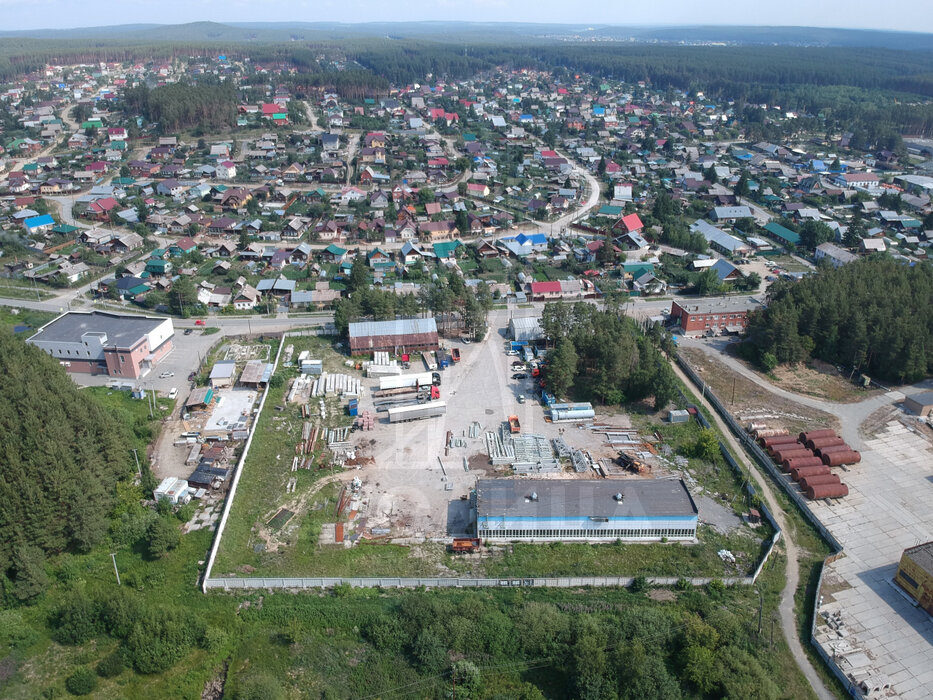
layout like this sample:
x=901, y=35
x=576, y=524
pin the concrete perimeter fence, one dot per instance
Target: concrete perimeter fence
x=275, y=583
x=301, y=583
x=764, y=461
x=238, y=471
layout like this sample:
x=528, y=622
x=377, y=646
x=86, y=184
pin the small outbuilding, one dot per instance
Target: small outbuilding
x=222, y=374
x=921, y=404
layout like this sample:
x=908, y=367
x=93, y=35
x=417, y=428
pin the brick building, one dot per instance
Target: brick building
x=98, y=342
x=404, y=335
x=712, y=316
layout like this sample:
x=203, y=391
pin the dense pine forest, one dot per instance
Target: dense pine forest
x=62, y=456
x=601, y=354
x=873, y=315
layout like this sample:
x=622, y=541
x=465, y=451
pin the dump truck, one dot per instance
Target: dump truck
x=455, y=354
x=430, y=360
x=465, y=545
x=514, y=425
x=433, y=409
x=410, y=380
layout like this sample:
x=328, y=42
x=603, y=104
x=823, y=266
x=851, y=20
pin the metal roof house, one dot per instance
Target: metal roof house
x=572, y=509
x=719, y=239
x=403, y=335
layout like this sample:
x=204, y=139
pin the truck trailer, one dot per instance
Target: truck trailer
x=430, y=360
x=401, y=414
x=410, y=380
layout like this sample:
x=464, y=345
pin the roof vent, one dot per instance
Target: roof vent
x=618, y=497
x=534, y=496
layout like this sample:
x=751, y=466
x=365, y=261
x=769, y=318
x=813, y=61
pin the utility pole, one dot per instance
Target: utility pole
x=733, y=390
x=760, y=607
x=138, y=469
x=113, y=556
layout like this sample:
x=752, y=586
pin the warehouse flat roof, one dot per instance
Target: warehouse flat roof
x=122, y=331
x=720, y=305
x=564, y=498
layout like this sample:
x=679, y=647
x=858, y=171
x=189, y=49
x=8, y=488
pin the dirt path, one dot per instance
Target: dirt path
x=786, y=606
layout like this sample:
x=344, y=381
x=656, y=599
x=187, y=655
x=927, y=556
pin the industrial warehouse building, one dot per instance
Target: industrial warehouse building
x=405, y=335
x=915, y=574
x=526, y=329
x=573, y=509
x=724, y=315
x=99, y=342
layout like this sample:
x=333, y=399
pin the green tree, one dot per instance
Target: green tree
x=182, y=297
x=706, y=445
x=562, y=368
x=30, y=579
x=601, y=166
x=814, y=233
x=163, y=537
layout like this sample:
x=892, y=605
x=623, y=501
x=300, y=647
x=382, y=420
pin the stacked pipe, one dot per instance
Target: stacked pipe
x=788, y=465
x=819, y=480
x=803, y=472
x=818, y=491
x=836, y=459
x=769, y=441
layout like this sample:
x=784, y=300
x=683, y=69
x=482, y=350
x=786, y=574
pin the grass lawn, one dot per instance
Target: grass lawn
x=32, y=320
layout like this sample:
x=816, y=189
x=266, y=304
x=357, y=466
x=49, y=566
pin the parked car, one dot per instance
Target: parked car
x=166, y=375
x=511, y=353
x=521, y=398
x=520, y=375
x=518, y=363
x=465, y=340
x=173, y=393
x=189, y=331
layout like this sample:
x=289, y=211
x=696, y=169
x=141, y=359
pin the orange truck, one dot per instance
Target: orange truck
x=514, y=425
x=455, y=354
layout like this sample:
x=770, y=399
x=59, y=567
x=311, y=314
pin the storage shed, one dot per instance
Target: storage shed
x=526, y=329
x=222, y=374
x=921, y=404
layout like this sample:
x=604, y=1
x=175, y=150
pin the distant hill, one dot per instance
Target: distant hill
x=489, y=32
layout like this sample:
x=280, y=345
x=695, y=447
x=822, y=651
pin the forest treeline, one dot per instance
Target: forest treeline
x=184, y=105
x=61, y=456
x=604, y=355
x=873, y=315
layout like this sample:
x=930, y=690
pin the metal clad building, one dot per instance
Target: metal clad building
x=404, y=335
x=526, y=329
x=572, y=509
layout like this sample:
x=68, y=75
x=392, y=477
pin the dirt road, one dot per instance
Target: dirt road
x=786, y=606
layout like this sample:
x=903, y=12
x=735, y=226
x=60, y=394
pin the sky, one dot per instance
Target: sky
x=905, y=15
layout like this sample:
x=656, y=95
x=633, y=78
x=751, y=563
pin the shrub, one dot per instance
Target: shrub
x=259, y=688
x=158, y=641
x=82, y=682
x=163, y=536
x=111, y=665
x=77, y=620
x=639, y=585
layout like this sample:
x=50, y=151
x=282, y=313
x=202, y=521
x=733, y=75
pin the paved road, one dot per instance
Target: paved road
x=786, y=605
